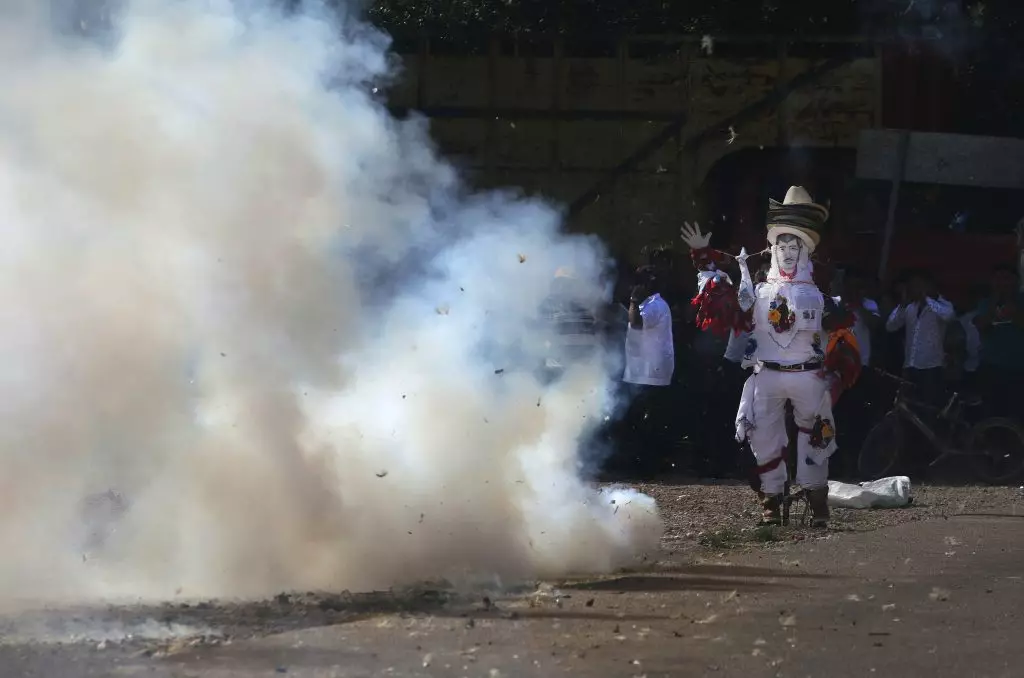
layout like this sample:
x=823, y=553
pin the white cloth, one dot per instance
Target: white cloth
x=761, y=419
x=650, y=355
x=747, y=291
x=804, y=341
x=862, y=331
x=737, y=346
x=804, y=269
x=704, y=277
x=891, y=492
x=972, y=341
x=925, y=331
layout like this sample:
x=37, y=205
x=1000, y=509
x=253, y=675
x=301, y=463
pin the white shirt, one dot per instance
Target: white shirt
x=804, y=341
x=925, y=331
x=972, y=341
x=650, y=355
x=861, y=330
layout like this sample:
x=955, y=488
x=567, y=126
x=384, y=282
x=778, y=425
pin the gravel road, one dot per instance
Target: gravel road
x=708, y=515
x=712, y=560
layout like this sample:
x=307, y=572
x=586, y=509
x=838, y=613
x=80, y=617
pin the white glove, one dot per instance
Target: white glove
x=742, y=257
x=693, y=237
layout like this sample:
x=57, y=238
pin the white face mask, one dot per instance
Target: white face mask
x=787, y=252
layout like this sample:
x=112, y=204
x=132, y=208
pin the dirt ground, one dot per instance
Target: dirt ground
x=709, y=515
x=935, y=588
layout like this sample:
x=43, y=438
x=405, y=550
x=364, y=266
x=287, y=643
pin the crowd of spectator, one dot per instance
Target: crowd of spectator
x=683, y=385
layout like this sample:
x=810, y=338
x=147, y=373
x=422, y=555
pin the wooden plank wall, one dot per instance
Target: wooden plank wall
x=551, y=117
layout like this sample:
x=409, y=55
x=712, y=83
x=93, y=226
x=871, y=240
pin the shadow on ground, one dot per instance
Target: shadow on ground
x=694, y=578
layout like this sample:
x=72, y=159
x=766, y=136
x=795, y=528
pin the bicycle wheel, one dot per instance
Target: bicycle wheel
x=997, y=450
x=881, y=448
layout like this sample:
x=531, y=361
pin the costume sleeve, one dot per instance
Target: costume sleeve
x=716, y=302
x=941, y=308
x=896, y=318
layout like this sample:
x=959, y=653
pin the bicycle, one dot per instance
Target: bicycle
x=951, y=434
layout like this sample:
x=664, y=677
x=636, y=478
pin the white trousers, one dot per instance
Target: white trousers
x=761, y=419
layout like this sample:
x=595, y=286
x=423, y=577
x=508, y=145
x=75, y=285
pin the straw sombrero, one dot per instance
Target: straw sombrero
x=796, y=215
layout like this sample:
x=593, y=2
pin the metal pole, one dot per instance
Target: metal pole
x=894, y=195
x=1020, y=254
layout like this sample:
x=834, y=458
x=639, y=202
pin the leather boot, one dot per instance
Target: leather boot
x=772, y=514
x=818, y=499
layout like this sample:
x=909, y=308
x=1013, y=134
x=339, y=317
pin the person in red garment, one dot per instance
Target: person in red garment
x=801, y=349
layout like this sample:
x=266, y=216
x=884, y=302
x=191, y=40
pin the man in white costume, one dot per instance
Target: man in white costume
x=801, y=350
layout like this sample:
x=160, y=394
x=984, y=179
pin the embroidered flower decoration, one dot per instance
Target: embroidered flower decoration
x=822, y=433
x=780, y=316
x=816, y=345
x=751, y=349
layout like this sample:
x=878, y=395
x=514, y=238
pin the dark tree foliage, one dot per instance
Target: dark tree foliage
x=992, y=71
x=579, y=18
x=983, y=39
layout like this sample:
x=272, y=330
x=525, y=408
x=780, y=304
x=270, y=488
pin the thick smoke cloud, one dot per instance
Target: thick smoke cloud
x=238, y=294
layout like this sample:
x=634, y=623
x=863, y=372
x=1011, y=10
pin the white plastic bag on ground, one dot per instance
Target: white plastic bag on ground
x=893, y=492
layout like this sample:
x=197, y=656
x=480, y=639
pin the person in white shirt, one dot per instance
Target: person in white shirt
x=650, y=355
x=923, y=314
x=650, y=364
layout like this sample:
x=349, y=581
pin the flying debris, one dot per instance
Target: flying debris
x=260, y=459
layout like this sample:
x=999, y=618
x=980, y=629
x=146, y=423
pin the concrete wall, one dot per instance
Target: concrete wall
x=554, y=124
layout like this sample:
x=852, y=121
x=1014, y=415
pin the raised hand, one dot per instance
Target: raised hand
x=692, y=236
